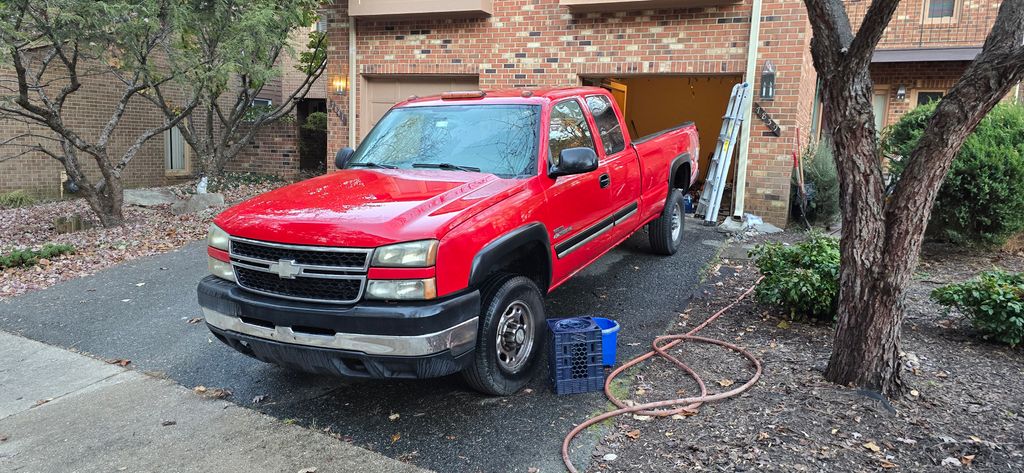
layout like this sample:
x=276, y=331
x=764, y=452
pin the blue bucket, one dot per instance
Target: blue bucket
x=609, y=338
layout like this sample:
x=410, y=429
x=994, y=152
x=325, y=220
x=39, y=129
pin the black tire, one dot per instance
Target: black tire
x=660, y=231
x=488, y=373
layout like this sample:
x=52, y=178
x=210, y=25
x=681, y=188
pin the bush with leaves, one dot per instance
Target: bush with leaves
x=27, y=257
x=802, y=279
x=994, y=302
x=981, y=201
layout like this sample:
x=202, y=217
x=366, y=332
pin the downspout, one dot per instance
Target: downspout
x=751, y=74
x=352, y=82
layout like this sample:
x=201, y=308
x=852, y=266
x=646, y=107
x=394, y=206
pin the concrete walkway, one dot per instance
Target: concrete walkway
x=64, y=412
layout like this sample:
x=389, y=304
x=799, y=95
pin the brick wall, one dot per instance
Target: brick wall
x=915, y=76
x=909, y=27
x=529, y=43
x=274, y=150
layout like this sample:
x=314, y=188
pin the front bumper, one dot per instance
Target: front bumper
x=378, y=340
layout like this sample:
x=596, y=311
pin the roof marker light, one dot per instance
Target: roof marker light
x=468, y=94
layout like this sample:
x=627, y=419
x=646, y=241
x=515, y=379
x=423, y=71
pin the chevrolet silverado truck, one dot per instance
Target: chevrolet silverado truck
x=430, y=249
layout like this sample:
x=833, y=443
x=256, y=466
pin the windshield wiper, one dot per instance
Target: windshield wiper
x=370, y=164
x=446, y=166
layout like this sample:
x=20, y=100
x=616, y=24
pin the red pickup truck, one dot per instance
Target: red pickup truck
x=430, y=250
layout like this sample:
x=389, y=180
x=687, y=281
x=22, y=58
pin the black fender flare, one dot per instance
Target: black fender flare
x=495, y=252
x=677, y=162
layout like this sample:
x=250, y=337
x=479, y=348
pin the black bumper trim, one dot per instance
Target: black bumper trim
x=406, y=319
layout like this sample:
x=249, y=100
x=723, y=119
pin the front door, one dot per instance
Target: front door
x=576, y=203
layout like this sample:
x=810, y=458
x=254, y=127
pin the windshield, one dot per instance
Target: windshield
x=495, y=139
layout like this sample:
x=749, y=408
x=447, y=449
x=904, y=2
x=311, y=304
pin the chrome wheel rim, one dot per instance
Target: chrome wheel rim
x=515, y=336
x=677, y=222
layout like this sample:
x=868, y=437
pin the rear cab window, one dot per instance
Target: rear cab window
x=608, y=125
x=568, y=129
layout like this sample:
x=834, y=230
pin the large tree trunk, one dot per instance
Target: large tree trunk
x=881, y=238
x=108, y=202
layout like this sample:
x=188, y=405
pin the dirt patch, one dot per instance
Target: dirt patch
x=147, y=231
x=968, y=411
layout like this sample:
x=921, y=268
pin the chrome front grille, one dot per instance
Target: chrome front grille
x=306, y=273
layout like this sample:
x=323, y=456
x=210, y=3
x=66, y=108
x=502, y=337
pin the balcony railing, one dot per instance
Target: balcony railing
x=419, y=8
x=629, y=5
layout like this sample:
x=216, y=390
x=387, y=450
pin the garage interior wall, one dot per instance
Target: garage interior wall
x=654, y=103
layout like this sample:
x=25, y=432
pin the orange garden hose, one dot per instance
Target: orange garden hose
x=660, y=347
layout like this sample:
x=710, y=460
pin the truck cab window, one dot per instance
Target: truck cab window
x=607, y=124
x=569, y=129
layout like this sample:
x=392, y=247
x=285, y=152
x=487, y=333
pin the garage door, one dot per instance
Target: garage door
x=384, y=92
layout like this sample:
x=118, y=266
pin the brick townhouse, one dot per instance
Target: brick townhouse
x=164, y=159
x=666, y=61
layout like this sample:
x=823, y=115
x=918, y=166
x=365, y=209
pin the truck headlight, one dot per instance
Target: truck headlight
x=217, y=238
x=401, y=289
x=221, y=269
x=414, y=254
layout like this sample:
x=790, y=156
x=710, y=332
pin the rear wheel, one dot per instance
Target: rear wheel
x=510, y=340
x=666, y=233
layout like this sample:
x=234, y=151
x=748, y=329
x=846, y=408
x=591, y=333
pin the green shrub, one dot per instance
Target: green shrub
x=822, y=184
x=15, y=199
x=802, y=278
x=27, y=257
x=316, y=121
x=994, y=302
x=981, y=201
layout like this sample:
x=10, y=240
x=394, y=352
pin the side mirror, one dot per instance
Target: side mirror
x=574, y=161
x=341, y=159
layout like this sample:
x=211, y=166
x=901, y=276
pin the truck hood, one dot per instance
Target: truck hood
x=367, y=208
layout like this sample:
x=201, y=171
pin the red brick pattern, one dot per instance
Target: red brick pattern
x=909, y=27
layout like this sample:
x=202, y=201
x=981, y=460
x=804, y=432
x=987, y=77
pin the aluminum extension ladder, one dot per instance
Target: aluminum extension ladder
x=718, y=170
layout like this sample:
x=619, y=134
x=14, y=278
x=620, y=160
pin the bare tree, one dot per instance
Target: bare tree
x=224, y=52
x=56, y=46
x=881, y=238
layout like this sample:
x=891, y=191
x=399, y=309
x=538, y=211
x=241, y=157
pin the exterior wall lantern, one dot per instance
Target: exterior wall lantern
x=901, y=92
x=340, y=87
x=768, y=81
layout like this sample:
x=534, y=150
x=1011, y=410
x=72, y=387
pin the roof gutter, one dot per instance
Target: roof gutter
x=741, y=162
x=352, y=82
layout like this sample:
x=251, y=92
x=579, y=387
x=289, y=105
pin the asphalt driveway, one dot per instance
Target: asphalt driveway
x=140, y=311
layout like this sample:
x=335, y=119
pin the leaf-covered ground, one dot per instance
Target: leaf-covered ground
x=965, y=409
x=147, y=231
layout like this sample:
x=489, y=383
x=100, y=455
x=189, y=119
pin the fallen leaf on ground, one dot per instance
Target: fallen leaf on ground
x=199, y=389
x=122, y=362
x=140, y=284
x=311, y=469
x=726, y=383
x=3, y=438
x=610, y=457
x=887, y=464
x=950, y=461
x=684, y=414
x=762, y=436
x=259, y=399
x=396, y=437
x=194, y=320
x=633, y=434
x=967, y=459
x=167, y=423
x=873, y=447
x=783, y=325
x=533, y=469
x=43, y=401
x=641, y=417
x=393, y=417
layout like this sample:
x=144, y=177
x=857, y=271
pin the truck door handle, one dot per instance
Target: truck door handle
x=604, y=180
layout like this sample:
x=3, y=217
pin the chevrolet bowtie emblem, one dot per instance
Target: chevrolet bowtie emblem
x=285, y=268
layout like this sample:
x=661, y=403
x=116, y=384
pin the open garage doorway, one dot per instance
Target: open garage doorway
x=655, y=102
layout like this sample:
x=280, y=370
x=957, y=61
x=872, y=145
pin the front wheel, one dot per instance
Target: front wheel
x=511, y=338
x=666, y=233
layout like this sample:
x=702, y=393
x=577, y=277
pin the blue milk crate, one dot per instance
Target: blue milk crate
x=575, y=362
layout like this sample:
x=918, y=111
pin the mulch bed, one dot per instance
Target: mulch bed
x=966, y=409
x=147, y=231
